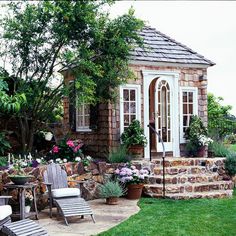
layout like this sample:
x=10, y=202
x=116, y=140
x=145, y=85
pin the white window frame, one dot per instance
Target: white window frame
x=136, y=87
x=195, y=107
x=81, y=128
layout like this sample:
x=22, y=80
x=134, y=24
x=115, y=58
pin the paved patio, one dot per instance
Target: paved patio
x=106, y=216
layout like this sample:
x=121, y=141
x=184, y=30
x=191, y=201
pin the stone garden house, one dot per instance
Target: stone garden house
x=171, y=86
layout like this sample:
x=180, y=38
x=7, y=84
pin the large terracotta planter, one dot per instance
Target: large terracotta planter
x=136, y=151
x=134, y=191
x=112, y=200
x=201, y=152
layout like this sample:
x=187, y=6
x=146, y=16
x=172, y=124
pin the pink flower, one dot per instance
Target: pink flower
x=77, y=148
x=70, y=143
x=55, y=149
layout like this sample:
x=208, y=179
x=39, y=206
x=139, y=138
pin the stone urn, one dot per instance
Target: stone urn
x=136, y=150
x=134, y=191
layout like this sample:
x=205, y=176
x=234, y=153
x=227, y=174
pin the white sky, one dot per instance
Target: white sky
x=207, y=27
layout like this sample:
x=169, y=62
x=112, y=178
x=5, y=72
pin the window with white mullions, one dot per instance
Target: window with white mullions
x=188, y=108
x=83, y=117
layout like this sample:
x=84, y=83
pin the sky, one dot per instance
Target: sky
x=207, y=27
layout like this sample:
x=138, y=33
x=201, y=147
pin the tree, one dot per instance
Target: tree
x=220, y=121
x=44, y=37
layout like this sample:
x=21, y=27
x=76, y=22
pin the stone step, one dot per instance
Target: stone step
x=212, y=194
x=182, y=179
x=182, y=161
x=188, y=187
x=182, y=170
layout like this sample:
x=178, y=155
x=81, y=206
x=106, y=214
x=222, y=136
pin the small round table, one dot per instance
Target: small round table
x=21, y=190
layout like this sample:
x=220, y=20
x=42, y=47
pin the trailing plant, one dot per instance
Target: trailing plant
x=230, y=164
x=111, y=189
x=218, y=149
x=134, y=135
x=118, y=155
x=4, y=144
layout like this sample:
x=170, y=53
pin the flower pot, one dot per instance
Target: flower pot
x=112, y=200
x=134, y=191
x=27, y=209
x=201, y=152
x=19, y=180
x=136, y=151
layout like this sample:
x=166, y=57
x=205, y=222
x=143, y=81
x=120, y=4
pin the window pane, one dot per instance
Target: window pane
x=132, y=95
x=169, y=137
x=185, y=120
x=86, y=121
x=126, y=120
x=126, y=107
x=132, y=117
x=132, y=107
x=86, y=109
x=185, y=109
x=190, y=108
x=185, y=97
x=126, y=95
x=80, y=121
x=190, y=96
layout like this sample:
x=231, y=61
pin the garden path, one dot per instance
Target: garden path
x=106, y=216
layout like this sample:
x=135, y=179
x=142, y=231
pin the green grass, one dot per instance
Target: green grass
x=198, y=217
x=233, y=147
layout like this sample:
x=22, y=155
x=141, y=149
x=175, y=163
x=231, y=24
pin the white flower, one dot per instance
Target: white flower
x=89, y=158
x=48, y=136
x=78, y=159
x=51, y=161
x=64, y=160
x=38, y=160
x=58, y=160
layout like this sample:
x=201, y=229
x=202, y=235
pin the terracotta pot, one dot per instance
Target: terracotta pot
x=112, y=200
x=136, y=150
x=134, y=191
x=201, y=152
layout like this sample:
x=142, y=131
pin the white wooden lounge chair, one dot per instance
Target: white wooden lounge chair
x=25, y=227
x=67, y=200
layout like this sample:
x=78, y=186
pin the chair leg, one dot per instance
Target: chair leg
x=50, y=206
x=82, y=217
x=65, y=220
x=93, y=219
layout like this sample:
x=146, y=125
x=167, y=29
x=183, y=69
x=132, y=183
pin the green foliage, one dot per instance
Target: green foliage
x=118, y=155
x=230, y=164
x=219, y=149
x=76, y=35
x=220, y=121
x=111, y=189
x=3, y=161
x=4, y=144
x=230, y=139
x=133, y=135
x=193, y=134
x=205, y=217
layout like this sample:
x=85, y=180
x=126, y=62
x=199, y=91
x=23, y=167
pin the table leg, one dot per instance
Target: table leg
x=22, y=203
x=35, y=203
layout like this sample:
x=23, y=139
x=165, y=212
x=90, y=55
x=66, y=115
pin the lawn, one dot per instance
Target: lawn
x=198, y=217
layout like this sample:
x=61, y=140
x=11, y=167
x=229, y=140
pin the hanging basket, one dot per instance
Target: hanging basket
x=134, y=191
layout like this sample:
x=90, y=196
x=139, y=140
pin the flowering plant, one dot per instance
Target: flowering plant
x=66, y=150
x=131, y=175
x=204, y=140
x=28, y=198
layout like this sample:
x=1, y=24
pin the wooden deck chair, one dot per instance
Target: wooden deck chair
x=67, y=200
x=25, y=227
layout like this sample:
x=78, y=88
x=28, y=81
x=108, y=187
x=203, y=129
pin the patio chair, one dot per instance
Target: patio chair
x=67, y=200
x=25, y=227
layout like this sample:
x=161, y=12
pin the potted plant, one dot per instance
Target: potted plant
x=28, y=201
x=134, y=139
x=133, y=178
x=19, y=177
x=196, y=136
x=111, y=190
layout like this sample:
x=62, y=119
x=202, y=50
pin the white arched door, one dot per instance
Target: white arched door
x=163, y=113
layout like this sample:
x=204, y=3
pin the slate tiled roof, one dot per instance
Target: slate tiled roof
x=160, y=48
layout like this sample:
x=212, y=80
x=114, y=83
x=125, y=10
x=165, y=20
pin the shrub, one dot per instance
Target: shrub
x=230, y=139
x=3, y=161
x=230, y=164
x=111, y=189
x=4, y=144
x=219, y=149
x=119, y=155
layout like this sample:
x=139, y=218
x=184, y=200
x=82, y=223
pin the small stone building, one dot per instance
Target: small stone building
x=171, y=86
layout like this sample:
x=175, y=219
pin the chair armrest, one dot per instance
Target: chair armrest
x=4, y=200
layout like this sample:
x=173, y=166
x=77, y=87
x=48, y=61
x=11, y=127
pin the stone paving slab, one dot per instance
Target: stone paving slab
x=106, y=216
